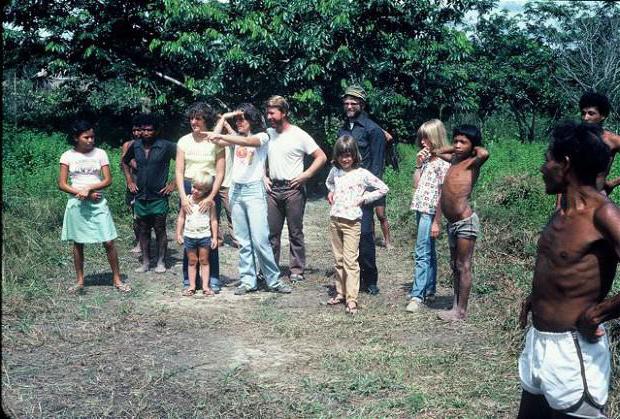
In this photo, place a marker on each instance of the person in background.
(151, 187)
(196, 154)
(84, 172)
(370, 139)
(248, 198)
(285, 182)
(136, 133)
(466, 156)
(349, 187)
(427, 180)
(197, 232)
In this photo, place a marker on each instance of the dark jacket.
(370, 140)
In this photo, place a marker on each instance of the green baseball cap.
(355, 90)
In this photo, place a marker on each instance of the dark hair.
(472, 133)
(202, 110)
(584, 147)
(253, 116)
(78, 127)
(346, 144)
(595, 100)
(145, 119)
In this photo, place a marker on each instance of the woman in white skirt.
(87, 216)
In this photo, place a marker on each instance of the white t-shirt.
(249, 162)
(197, 224)
(287, 150)
(84, 168)
(230, 151)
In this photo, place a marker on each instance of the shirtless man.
(565, 365)
(594, 110)
(466, 156)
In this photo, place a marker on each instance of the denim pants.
(425, 279)
(368, 256)
(290, 203)
(248, 202)
(214, 256)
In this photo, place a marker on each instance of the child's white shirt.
(349, 188)
(197, 224)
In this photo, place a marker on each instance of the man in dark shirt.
(371, 143)
(152, 156)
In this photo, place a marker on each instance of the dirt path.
(156, 354)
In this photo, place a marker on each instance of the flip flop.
(338, 299)
(124, 288)
(351, 307)
(188, 292)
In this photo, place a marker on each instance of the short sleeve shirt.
(200, 156)
(287, 150)
(249, 162)
(152, 173)
(426, 196)
(84, 168)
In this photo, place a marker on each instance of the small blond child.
(349, 187)
(427, 180)
(197, 231)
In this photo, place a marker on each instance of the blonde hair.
(205, 180)
(435, 132)
(278, 102)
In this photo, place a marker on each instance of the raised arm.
(444, 153)
(481, 155)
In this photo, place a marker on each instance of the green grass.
(363, 366)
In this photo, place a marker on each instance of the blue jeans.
(425, 279)
(214, 256)
(248, 205)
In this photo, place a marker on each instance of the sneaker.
(414, 305)
(296, 278)
(281, 288)
(430, 298)
(242, 290)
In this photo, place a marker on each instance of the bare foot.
(388, 245)
(76, 289)
(450, 316)
(207, 292)
(160, 268)
(122, 287)
(141, 269)
(136, 249)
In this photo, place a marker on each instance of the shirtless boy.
(594, 109)
(466, 156)
(565, 365)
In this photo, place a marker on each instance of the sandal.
(351, 307)
(208, 292)
(338, 299)
(188, 292)
(122, 287)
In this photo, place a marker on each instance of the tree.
(585, 40)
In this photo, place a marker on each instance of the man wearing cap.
(288, 145)
(371, 142)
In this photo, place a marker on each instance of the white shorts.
(570, 372)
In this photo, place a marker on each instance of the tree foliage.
(417, 60)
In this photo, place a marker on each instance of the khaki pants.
(345, 238)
